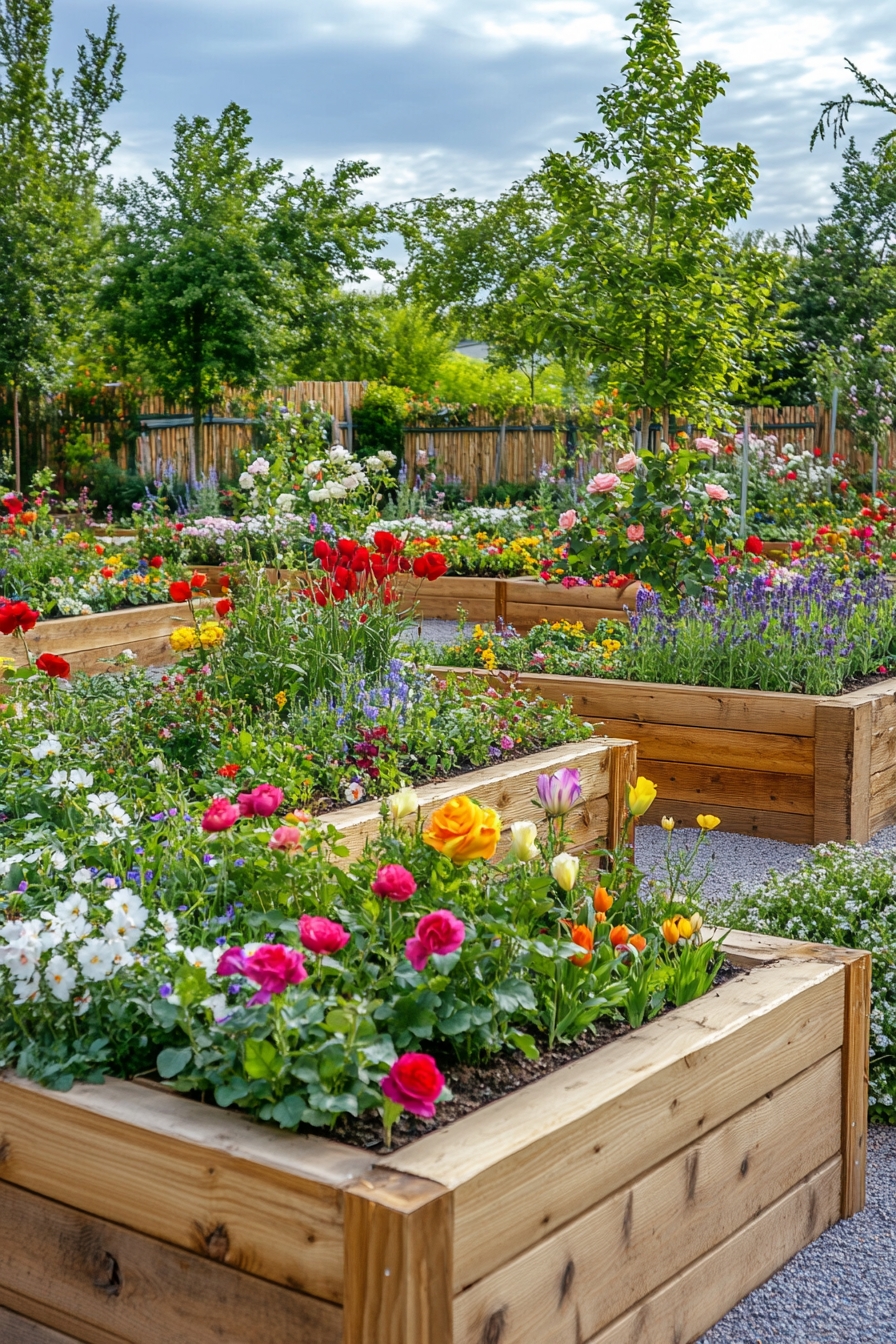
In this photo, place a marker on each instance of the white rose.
(312, 468)
(337, 491)
(260, 467)
(340, 454)
(285, 503)
(247, 482)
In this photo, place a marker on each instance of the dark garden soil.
(475, 1085)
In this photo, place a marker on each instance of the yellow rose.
(183, 638)
(707, 822)
(462, 830)
(640, 796)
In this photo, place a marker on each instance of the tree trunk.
(666, 424)
(646, 417)
(17, 443)
(196, 441)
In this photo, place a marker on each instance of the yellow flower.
(488, 660)
(462, 830)
(72, 536)
(211, 634)
(183, 638)
(707, 822)
(639, 797)
(668, 823)
(565, 870)
(402, 803)
(280, 699)
(670, 932)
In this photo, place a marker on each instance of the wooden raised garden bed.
(634, 1195)
(87, 641)
(801, 768)
(604, 767)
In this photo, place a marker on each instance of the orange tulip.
(619, 935)
(600, 917)
(582, 935)
(638, 942)
(603, 901)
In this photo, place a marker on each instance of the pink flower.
(220, 815)
(322, 936)
(287, 838)
(272, 966)
(506, 742)
(635, 531)
(716, 491)
(415, 1083)
(263, 801)
(627, 462)
(567, 520)
(603, 483)
(438, 934)
(707, 446)
(394, 882)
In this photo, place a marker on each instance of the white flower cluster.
(514, 518)
(76, 944)
(339, 475)
(260, 467)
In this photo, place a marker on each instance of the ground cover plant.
(803, 628)
(224, 950)
(845, 895)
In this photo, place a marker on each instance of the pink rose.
(287, 838)
(394, 882)
(415, 1083)
(272, 966)
(567, 520)
(220, 815)
(322, 936)
(603, 483)
(635, 531)
(437, 934)
(263, 801)
(628, 462)
(716, 491)
(707, 446)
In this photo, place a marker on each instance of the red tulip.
(198, 581)
(223, 607)
(179, 591)
(157, 562)
(53, 665)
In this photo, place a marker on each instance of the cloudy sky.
(470, 93)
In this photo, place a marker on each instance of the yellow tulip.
(707, 822)
(684, 926)
(523, 841)
(668, 823)
(670, 932)
(639, 797)
(565, 870)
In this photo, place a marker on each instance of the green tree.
(650, 287)
(195, 292)
(53, 145)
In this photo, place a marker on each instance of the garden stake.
(744, 475)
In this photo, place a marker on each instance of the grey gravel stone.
(441, 633)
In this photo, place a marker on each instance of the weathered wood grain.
(398, 1254)
(856, 1030)
(736, 749)
(660, 1223)
(528, 1163)
(17, 1329)
(204, 1179)
(685, 1307)
(111, 1280)
(842, 770)
(793, 827)
(756, 790)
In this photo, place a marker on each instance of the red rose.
(178, 527)
(16, 616)
(225, 583)
(753, 546)
(223, 607)
(791, 476)
(53, 665)
(322, 936)
(220, 815)
(415, 1083)
(13, 504)
(157, 562)
(394, 882)
(179, 591)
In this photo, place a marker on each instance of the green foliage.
(846, 896)
(379, 421)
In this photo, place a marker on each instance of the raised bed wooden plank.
(685, 1307)
(110, 1280)
(531, 593)
(791, 827)
(17, 1329)
(509, 787)
(706, 785)
(525, 1164)
(774, 752)
(842, 770)
(398, 1253)
(201, 1178)
(883, 800)
(661, 1222)
(856, 1033)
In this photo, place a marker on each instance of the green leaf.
(261, 1059)
(524, 1042)
(234, 1090)
(171, 1061)
(288, 1112)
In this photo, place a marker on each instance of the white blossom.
(96, 959)
(60, 978)
(50, 746)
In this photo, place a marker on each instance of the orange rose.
(462, 830)
(582, 935)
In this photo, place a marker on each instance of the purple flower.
(164, 991)
(158, 816)
(559, 793)
(23, 886)
(239, 863)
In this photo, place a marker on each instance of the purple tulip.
(559, 793)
